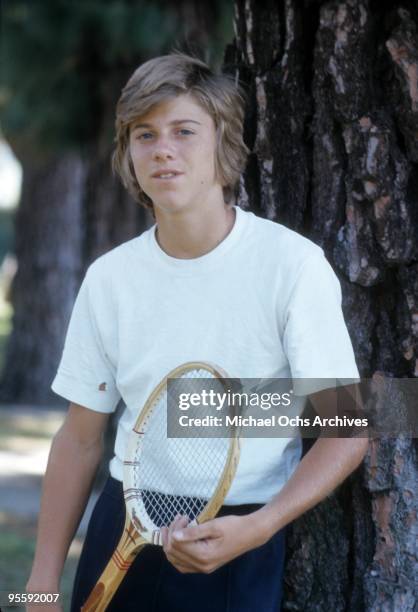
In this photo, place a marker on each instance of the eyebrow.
(174, 122)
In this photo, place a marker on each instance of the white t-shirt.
(264, 303)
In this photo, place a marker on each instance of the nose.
(162, 151)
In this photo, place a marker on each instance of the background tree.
(332, 123)
(63, 65)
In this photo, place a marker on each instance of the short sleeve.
(316, 340)
(85, 374)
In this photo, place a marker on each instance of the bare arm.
(75, 455)
(325, 466)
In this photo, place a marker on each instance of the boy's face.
(173, 153)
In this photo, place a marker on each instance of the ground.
(25, 437)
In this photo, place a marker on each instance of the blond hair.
(177, 74)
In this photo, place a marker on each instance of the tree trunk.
(332, 121)
(49, 254)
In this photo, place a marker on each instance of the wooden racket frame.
(131, 541)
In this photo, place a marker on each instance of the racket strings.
(162, 509)
(175, 476)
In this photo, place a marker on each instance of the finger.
(192, 533)
(194, 554)
(177, 525)
(164, 536)
(172, 526)
(190, 565)
(190, 554)
(169, 544)
(183, 562)
(184, 569)
(181, 524)
(169, 530)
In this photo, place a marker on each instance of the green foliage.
(61, 60)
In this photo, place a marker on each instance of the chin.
(171, 205)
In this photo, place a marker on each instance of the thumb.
(198, 532)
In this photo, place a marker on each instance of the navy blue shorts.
(250, 583)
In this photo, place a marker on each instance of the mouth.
(166, 176)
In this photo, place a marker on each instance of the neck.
(192, 233)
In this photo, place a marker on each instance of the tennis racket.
(165, 477)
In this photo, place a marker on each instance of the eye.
(144, 136)
(185, 132)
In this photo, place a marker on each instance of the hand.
(44, 608)
(41, 587)
(204, 548)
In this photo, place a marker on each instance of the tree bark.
(331, 122)
(49, 254)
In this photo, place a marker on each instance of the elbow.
(76, 442)
(360, 447)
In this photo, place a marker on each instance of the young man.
(208, 282)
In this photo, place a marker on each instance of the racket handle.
(109, 581)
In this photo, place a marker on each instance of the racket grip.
(108, 583)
